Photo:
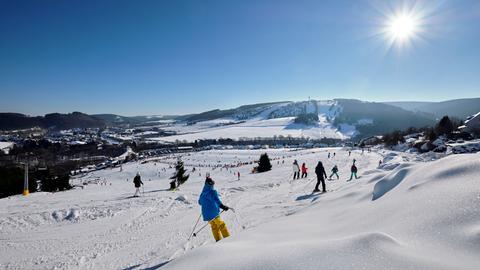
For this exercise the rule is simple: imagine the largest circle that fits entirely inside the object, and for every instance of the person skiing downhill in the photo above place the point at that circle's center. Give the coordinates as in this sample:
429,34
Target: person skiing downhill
321,175
296,170
137,182
211,205
353,171
334,172
304,170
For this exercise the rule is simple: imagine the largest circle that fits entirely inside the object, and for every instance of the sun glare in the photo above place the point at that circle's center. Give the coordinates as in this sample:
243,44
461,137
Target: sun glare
402,27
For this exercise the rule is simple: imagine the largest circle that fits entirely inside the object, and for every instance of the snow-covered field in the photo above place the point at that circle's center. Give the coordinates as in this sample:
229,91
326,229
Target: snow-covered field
409,213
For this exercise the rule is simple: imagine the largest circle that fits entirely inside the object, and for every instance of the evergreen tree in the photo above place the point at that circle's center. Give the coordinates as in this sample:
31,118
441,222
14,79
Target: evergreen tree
264,163
393,138
430,134
445,126
179,176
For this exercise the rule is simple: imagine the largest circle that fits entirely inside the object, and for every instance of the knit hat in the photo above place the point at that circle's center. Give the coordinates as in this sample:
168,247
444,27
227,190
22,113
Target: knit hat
209,181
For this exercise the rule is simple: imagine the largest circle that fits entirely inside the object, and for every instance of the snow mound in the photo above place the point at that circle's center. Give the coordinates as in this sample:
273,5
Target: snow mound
433,227
72,215
182,198
388,183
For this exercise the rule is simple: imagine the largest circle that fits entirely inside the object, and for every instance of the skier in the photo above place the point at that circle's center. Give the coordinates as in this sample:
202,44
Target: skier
353,170
304,170
349,152
238,175
296,170
379,163
321,175
333,154
137,182
211,205
334,172
328,154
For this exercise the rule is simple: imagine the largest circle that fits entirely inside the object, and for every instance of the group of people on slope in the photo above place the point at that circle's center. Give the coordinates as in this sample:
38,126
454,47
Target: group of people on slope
321,174
297,169
211,203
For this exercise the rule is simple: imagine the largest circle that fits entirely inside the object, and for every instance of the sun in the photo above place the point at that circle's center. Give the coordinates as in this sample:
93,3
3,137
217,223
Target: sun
402,27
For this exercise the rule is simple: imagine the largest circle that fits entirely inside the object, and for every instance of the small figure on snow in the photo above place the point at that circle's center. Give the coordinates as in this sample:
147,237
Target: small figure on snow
321,175
379,163
353,170
296,170
137,181
334,172
349,152
211,205
328,154
238,175
304,170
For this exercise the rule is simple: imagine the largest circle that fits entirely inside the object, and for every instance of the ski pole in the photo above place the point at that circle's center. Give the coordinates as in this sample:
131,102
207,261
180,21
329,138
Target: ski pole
203,227
195,226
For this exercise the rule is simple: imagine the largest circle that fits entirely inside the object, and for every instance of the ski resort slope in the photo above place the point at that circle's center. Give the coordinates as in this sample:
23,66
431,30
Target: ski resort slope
257,128
270,121
405,214
417,216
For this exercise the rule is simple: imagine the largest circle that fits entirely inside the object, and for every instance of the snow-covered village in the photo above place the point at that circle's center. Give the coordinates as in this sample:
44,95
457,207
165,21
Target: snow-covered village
252,135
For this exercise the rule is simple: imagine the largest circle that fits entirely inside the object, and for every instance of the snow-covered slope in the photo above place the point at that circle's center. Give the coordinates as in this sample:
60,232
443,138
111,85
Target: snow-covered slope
337,119
417,216
267,121
406,214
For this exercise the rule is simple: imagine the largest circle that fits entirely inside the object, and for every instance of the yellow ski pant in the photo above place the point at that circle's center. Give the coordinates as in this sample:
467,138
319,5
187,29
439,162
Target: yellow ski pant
219,228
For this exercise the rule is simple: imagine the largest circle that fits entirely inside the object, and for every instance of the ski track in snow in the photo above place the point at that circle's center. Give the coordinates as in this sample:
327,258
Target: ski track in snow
114,231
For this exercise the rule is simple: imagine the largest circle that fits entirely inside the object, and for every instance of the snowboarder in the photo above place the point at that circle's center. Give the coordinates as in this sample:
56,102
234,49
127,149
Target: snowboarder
353,170
304,170
334,172
211,205
321,175
296,170
137,181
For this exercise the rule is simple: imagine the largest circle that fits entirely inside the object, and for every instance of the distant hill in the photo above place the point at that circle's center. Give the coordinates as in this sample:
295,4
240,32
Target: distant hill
385,118
12,121
240,113
460,108
114,119
338,118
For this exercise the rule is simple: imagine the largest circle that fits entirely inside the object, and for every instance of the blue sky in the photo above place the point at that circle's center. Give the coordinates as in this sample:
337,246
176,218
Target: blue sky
175,57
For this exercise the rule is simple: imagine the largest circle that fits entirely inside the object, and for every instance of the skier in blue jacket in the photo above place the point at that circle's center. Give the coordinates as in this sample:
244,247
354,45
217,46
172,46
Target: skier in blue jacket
211,205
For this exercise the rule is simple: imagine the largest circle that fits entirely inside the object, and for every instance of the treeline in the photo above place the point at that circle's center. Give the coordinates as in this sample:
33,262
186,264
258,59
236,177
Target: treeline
445,127
51,154
307,119
12,181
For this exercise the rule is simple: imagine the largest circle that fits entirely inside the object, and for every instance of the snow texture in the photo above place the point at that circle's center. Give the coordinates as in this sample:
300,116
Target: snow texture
411,212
